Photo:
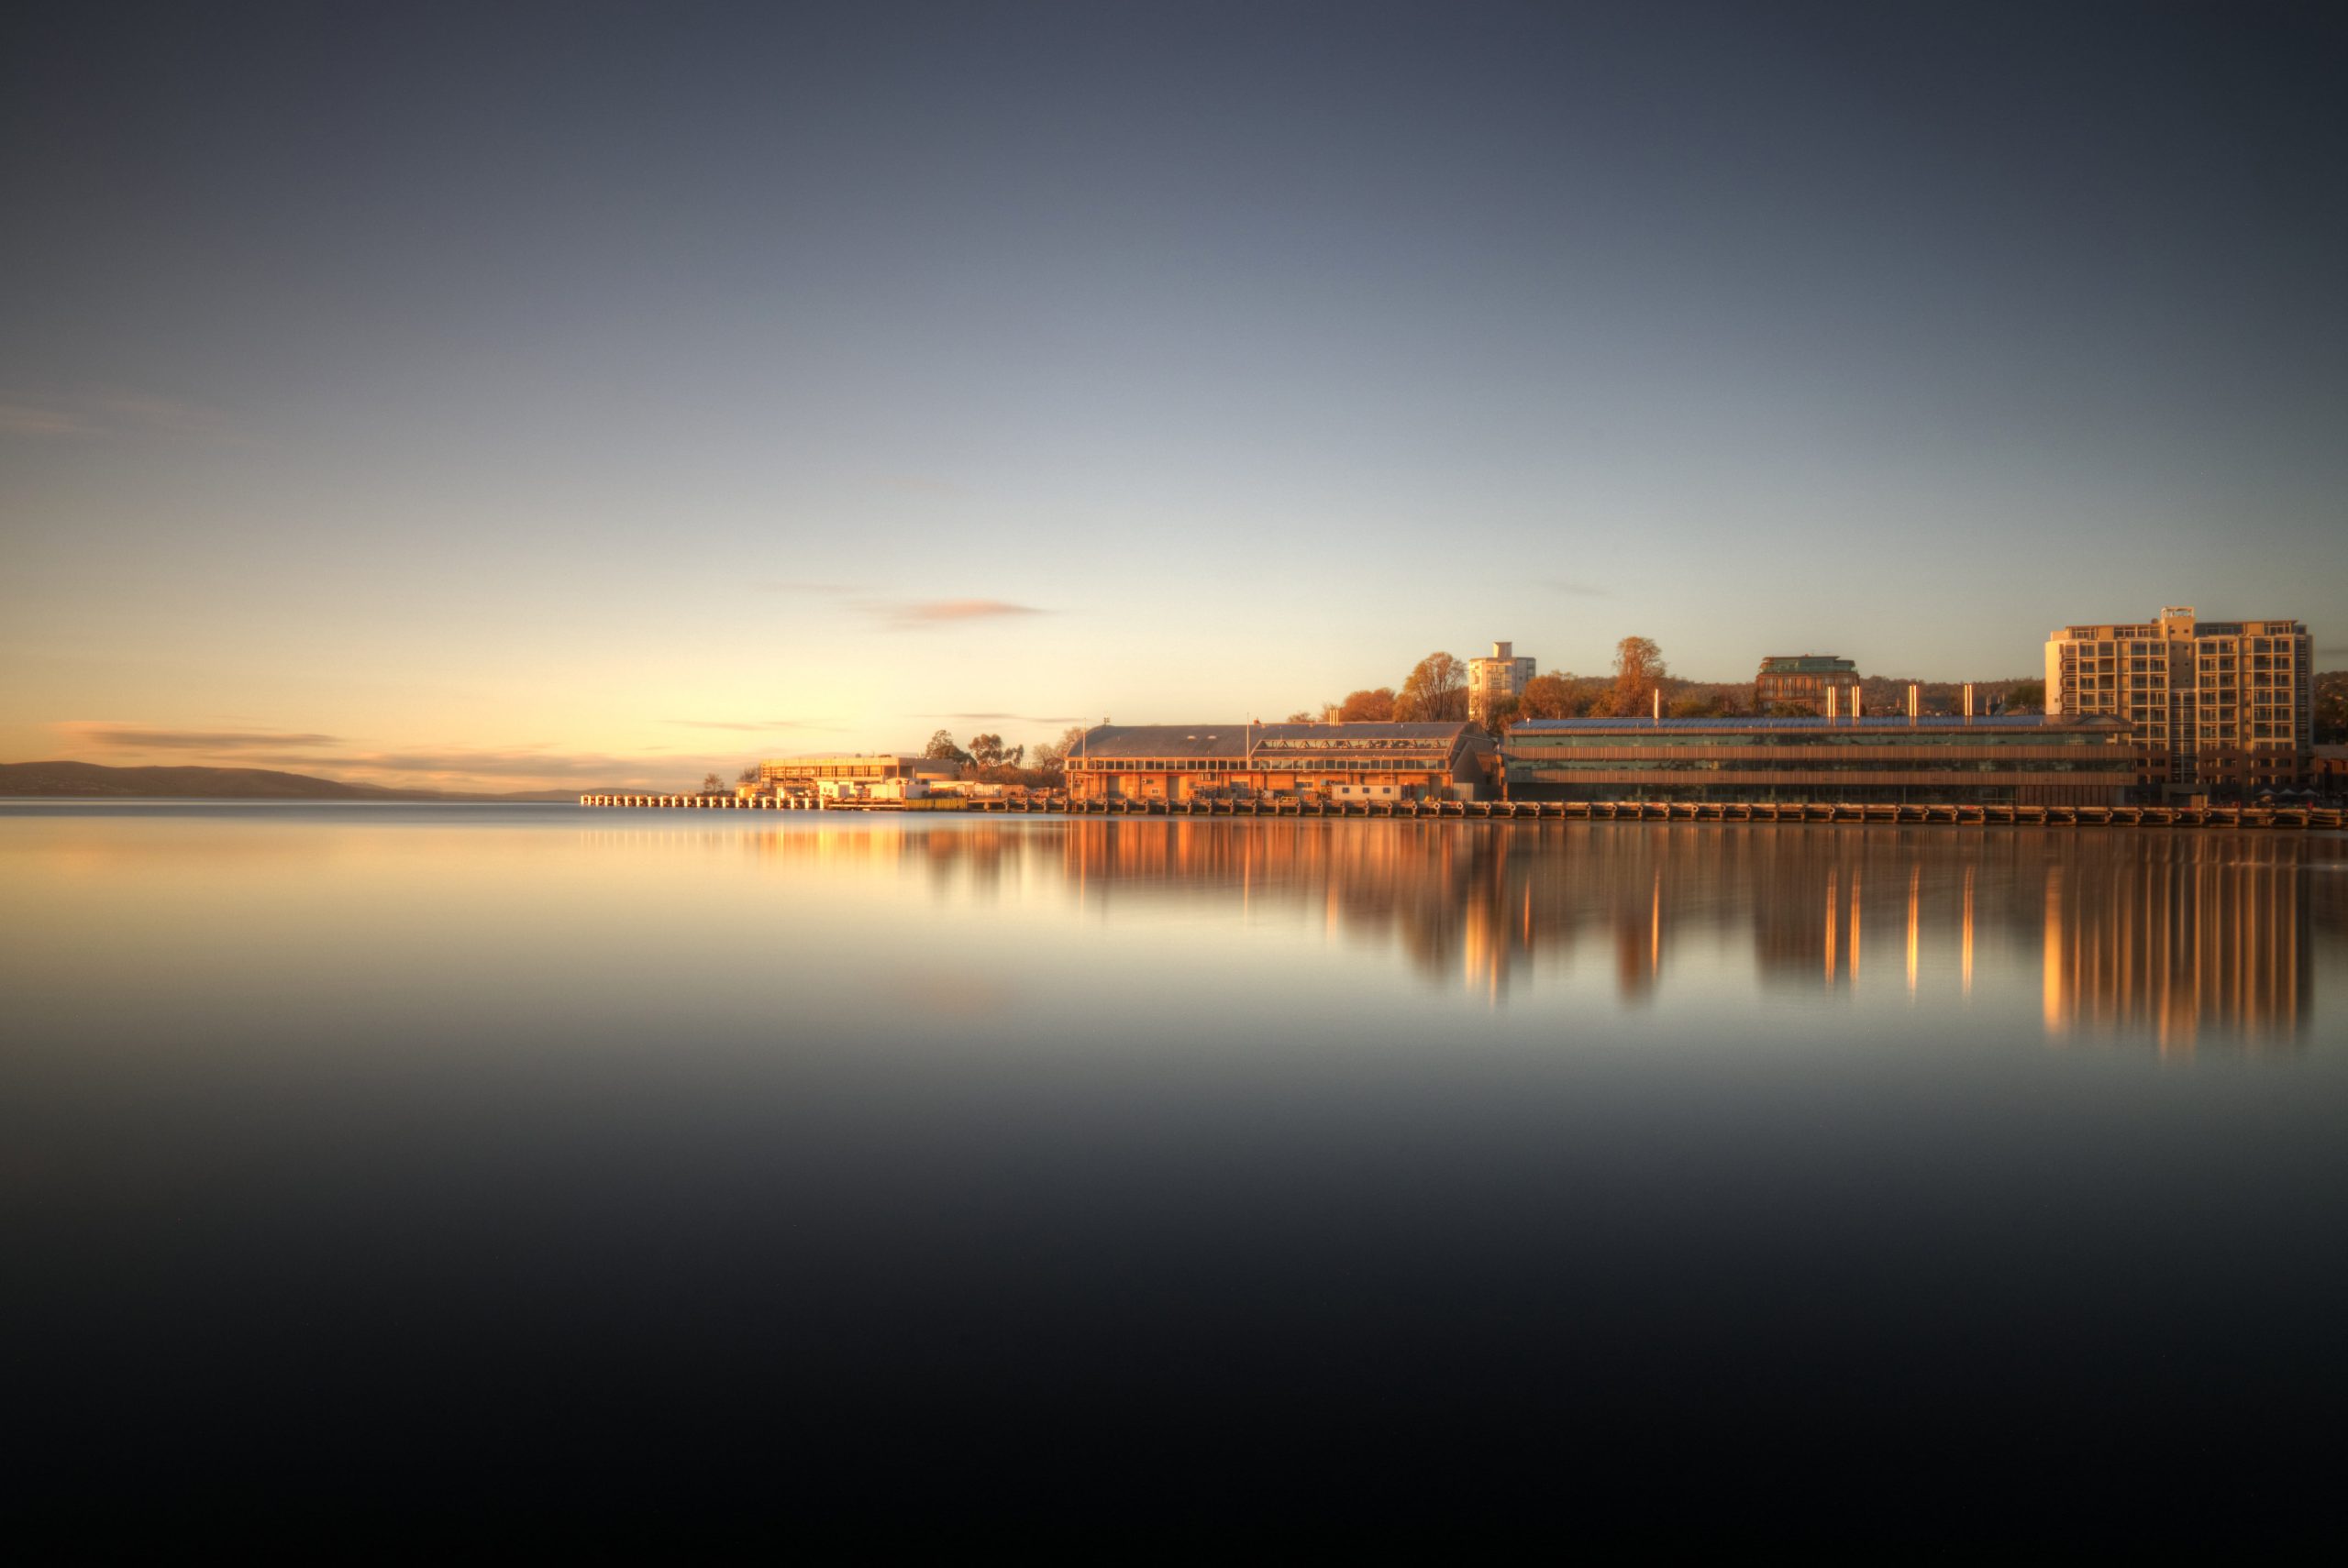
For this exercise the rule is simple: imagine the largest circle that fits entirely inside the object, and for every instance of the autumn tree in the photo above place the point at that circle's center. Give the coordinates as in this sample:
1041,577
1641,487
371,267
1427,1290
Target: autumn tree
1639,671
941,748
1301,716
712,784
748,776
2332,708
988,753
1436,692
2026,697
1549,697
1051,757
1367,707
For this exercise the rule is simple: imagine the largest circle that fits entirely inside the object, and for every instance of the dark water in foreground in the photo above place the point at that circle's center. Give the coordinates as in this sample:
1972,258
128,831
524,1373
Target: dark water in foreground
406,1165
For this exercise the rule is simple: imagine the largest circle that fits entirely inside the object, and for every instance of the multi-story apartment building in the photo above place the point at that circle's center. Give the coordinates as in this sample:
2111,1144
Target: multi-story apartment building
1804,681
2223,707
1492,680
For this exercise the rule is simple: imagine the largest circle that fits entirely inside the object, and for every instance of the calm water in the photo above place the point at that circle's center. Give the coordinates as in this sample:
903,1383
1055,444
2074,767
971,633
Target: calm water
390,1162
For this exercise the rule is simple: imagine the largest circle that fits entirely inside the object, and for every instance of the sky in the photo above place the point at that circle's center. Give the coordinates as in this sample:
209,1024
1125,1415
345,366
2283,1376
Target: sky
486,396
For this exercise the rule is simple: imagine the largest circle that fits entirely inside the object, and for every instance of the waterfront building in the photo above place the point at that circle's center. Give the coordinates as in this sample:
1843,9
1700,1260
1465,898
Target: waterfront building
1335,762
2012,758
2328,773
883,775
2223,707
1494,679
1812,682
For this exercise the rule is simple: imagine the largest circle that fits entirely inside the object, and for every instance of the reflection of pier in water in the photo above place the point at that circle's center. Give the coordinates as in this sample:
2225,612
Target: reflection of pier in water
2172,938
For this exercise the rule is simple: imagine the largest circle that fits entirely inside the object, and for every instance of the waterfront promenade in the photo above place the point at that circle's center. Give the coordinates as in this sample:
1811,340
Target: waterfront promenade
1878,814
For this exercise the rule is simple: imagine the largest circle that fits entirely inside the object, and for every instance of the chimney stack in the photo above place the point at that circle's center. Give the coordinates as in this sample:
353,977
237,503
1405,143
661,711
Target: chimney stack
1968,698
1915,702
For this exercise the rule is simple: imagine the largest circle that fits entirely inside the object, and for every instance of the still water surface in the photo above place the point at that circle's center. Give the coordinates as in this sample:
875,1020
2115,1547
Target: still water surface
387,1160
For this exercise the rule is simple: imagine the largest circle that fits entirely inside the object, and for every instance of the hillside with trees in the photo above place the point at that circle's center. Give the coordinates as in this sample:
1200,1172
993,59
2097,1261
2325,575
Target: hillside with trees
2332,708
1437,687
96,781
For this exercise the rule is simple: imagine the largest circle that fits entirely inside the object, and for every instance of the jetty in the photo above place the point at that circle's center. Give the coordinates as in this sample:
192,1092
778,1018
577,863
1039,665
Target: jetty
1875,813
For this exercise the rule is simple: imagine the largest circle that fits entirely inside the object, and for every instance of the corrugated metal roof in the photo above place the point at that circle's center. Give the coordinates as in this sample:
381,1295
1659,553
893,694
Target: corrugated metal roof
1228,740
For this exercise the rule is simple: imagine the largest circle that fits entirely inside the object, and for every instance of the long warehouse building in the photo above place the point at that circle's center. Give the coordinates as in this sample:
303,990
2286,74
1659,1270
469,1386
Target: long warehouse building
2010,759
1335,762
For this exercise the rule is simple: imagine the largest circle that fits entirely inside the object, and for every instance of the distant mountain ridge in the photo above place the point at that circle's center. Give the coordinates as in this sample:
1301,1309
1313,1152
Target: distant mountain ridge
91,781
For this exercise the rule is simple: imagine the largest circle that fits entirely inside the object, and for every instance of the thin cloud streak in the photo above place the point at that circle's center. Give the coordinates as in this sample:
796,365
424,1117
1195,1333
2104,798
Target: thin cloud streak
1578,589
1006,718
914,613
801,585
519,766
753,725
54,417
47,424
137,737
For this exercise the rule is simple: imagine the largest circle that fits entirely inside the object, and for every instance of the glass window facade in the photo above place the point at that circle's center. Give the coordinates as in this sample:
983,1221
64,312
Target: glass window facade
2019,759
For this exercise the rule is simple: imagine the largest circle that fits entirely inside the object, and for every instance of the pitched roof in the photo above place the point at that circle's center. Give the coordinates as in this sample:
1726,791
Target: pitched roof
1243,739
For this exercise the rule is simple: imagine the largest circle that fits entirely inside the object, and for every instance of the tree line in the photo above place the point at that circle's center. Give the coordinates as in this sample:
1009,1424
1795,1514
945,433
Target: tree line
1436,692
1437,689
987,759
2332,708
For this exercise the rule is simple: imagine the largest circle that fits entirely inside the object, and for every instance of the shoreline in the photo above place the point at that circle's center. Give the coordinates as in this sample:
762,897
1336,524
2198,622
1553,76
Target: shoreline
2231,818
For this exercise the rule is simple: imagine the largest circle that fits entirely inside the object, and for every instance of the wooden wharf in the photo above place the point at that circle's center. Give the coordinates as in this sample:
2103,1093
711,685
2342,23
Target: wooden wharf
1854,813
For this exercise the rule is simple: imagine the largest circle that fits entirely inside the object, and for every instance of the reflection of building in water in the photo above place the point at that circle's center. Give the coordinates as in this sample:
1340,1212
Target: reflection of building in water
2179,938
1810,895
2170,936
1479,903
2167,936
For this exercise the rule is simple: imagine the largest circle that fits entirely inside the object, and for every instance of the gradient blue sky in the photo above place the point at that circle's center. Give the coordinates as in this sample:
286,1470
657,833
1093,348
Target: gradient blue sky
499,396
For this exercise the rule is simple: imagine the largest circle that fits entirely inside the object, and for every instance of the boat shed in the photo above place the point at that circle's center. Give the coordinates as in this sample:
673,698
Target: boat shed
1332,761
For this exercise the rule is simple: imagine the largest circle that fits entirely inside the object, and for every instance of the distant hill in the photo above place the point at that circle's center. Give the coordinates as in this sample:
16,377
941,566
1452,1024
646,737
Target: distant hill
90,780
